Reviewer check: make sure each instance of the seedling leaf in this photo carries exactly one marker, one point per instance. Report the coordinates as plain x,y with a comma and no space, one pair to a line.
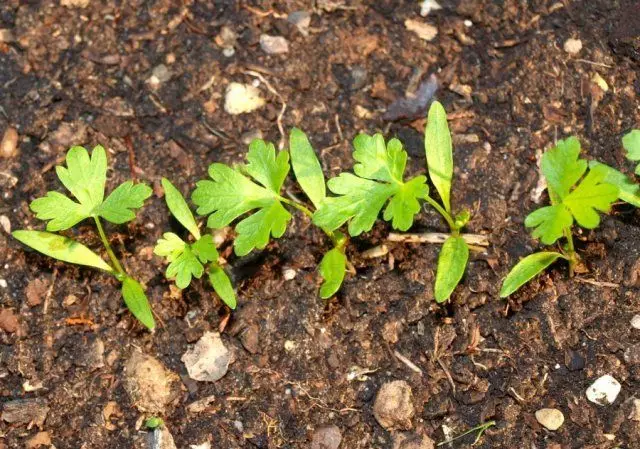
137,302
562,168
61,248
222,285
590,197
185,261
332,269
549,223
85,177
439,150
629,190
631,143
231,194
61,210
378,178
452,262
527,269
306,167
179,208
117,208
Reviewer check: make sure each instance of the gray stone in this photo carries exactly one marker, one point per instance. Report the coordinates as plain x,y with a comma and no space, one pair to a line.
327,437
393,408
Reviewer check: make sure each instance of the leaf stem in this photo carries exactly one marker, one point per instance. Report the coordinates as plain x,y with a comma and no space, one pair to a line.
571,251
105,242
480,429
444,213
309,214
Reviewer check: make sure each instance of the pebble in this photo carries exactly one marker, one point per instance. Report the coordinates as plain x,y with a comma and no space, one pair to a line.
635,322
573,46
604,390
250,338
635,410
423,30
9,143
427,6
3,283
393,407
289,274
208,360
359,77
632,354
8,319
327,437
301,20
38,440
205,445
412,441
273,45
160,74
5,223
6,36
25,411
75,3
227,38
242,98
161,438
150,385
551,418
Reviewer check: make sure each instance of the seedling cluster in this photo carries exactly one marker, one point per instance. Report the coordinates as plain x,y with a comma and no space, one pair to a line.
251,196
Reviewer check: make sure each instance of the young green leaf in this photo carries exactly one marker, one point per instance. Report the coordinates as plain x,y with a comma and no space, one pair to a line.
231,194
61,248
179,208
549,223
61,210
306,167
591,196
527,269
332,269
137,302
562,168
222,285
452,262
185,261
439,150
631,143
85,177
378,178
117,208
629,190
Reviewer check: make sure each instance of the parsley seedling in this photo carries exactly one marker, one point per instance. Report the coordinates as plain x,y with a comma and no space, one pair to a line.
256,187
187,260
579,191
85,177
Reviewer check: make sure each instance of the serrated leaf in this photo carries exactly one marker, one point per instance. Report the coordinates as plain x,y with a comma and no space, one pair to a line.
185,260
184,266
85,177
231,194
222,285
629,191
549,223
527,269
169,246
439,150
306,167
205,249
332,269
61,210
452,262
562,167
61,248
378,178
137,302
117,208
591,196
179,208
631,143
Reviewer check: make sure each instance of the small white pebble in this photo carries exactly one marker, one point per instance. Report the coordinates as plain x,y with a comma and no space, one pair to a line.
604,390
290,345
468,23
557,366
635,322
229,52
5,223
150,225
573,46
3,283
289,274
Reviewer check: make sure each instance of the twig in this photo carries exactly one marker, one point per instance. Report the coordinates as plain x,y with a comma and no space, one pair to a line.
598,283
277,94
412,366
437,237
599,64
446,372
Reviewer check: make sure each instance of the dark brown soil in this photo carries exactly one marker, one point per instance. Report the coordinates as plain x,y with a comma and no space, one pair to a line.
78,76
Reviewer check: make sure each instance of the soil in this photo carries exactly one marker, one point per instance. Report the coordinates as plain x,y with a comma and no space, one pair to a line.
79,75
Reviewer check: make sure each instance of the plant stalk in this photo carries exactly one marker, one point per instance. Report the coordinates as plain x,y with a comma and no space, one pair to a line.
309,214
105,242
452,225
571,251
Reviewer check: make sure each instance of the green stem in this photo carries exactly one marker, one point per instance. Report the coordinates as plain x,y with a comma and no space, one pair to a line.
309,214
481,428
571,251
454,229
105,242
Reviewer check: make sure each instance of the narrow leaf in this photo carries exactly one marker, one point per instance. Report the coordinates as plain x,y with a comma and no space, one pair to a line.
437,144
137,302
306,167
451,265
222,285
332,269
179,208
629,190
527,269
61,248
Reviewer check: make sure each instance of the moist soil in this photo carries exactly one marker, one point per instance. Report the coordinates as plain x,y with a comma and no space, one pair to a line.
81,75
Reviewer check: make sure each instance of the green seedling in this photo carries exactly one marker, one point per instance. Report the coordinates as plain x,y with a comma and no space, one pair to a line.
188,260
631,143
378,181
578,191
153,422
85,177
256,187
